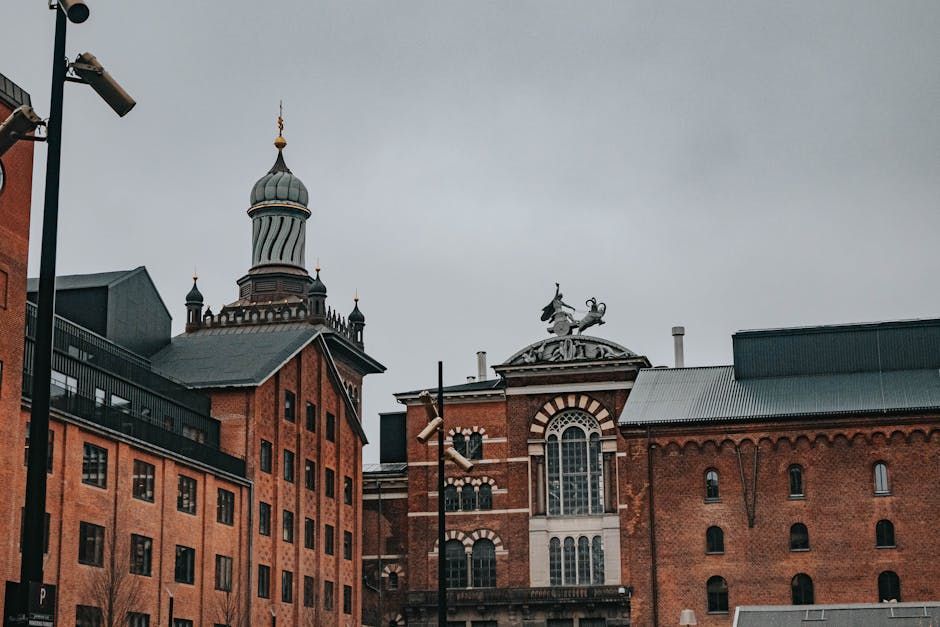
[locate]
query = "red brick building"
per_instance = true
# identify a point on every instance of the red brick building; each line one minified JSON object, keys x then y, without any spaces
{"x":622,"y":494}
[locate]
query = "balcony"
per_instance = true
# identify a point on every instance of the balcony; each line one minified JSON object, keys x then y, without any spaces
{"x":554,"y":596}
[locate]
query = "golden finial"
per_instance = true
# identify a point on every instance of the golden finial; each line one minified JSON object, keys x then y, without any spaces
{"x":279,"y":141}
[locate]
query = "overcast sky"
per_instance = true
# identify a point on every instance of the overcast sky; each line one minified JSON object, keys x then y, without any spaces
{"x":722,"y":165}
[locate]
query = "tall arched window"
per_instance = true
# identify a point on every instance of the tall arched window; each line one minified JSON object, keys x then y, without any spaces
{"x":485,"y":497}
{"x":451,"y":501}
{"x":468,"y":498}
{"x":584,"y":561}
{"x":889,"y":586}
{"x":884,"y":534}
{"x":570,"y":563}
{"x":456,"y":564}
{"x":795,"y":474}
{"x":554,"y":561}
{"x":717,"y":589}
{"x":711,"y":485}
{"x":799,"y":537}
{"x":597,"y":558}
{"x":801,"y":587}
{"x":575,"y":482}
{"x":475,"y":446}
{"x":460,"y":443}
{"x":714,"y":540}
{"x":483,"y":557}
{"x":881,"y":479}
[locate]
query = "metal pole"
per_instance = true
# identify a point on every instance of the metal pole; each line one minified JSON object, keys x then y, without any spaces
{"x":441,"y":557}
{"x":35,"y":507}
{"x":378,"y":570}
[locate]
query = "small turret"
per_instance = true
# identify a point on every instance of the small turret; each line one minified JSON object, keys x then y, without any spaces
{"x":317,"y":297}
{"x":194,"y":302}
{"x":357,"y":322}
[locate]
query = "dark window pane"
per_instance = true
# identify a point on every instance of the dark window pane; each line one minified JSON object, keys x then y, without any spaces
{"x":289,"y":402}
{"x":141,"y":554}
{"x":884,"y":534}
{"x":802,"y":590}
{"x":796,"y":481}
{"x":799,"y":537}
{"x":90,"y":544}
{"x":714,"y":540}
{"x":185,"y":571}
{"x":311,"y":417}
{"x":143,"y":481}
{"x":711,"y":485}
{"x":264,"y":581}
{"x":186,"y":495}
{"x":889,"y":587}
{"x":225,"y":508}
{"x":483,"y":559}
{"x":330,"y":427}
{"x":717,"y":589}
{"x":266,"y":456}
{"x":95,"y":466}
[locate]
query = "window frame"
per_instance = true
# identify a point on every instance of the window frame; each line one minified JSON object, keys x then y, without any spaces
{"x":881,"y":479}
{"x":290,"y":406}
{"x":225,"y":507}
{"x":329,"y":540}
{"x":264,"y":518}
{"x":716,"y":589}
{"x":310,"y":423}
{"x":329,"y":478}
{"x":91,"y":538}
{"x":95,"y":466}
{"x":185,"y":571}
{"x":802,"y":584}
{"x":884,"y":530}
{"x":799,"y":538}
{"x":290,"y":461}
{"x":889,"y":579}
{"x":796,"y":482}
{"x":141,"y":561}
{"x":143,"y":481}
{"x":187,"y":495}
{"x":714,"y":540}
{"x":266,"y":456}
{"x":712,"y":486}
{"x":224,"y":567}
{"x":287,"y":526}
{"x":264,"y":581}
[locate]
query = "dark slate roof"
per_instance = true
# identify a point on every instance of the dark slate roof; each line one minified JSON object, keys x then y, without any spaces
{"x":385,"y":468}
{"x":662,"y":395}
{"x":849,"y":615}
{"x":84,"y":281}
{"x":232,"y":356}
{"x":474,"y":386}
{"x":12,"y":94}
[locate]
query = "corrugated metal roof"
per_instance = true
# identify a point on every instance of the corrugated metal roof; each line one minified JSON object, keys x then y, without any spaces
{"x":925,"y":614}
{"x":385,"y":468}
{"x":866,"y":347}
{"x":663,"y":395}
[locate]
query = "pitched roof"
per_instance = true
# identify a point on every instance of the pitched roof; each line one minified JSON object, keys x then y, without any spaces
{"x":84,"y":281}
{"x":848,"y":615}
{"x":463,"y":388}
{"x":711,"y":394}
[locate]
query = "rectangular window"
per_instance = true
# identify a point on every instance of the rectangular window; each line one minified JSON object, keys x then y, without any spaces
{"x":287,"y":586}
{"x":182,"y":622}
{"x":136,"y":619}
{"x":308,"y":591}
{"x":95,"y":466}
{"x":119,"y":402}
{"x":328,"y":539}
{"x":143,"y":481}
{"x":141,"y":554}
{"x":264,"y":581}
{"x":88,"y":616}
{"x":330,"y":427}
{"x":186,"y":495}
{"x":347,"y":599}
{"x":287,"y":524}
{"x":311,"y":417}
{"x":289,"y":402}
{"x":264,"y":518}
{"x":223,"y":573}
{"x":101,"y":397}
{"x":347,"y":490}
{"x":90,"y":544}
{"x":225,"y":507}
{"x":330,"y":481}
{"x":309,"y":533}
{"x":63,"y":385}
{"x":310,"y":474}
{"x":288,"y":465}
{"x":328,"y":596}
{"x":185,"y":564}
{"x":267,"y":453}
{"x":194,"y":434}
{"x":347,"y":545}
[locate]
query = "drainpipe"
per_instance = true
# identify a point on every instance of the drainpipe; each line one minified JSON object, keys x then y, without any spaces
{"x":654,"y":586}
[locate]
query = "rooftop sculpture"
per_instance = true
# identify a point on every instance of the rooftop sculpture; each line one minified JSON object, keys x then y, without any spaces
{"x":563,"y":323}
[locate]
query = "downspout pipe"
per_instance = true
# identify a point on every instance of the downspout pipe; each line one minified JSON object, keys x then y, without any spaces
{"x":654,"y":585}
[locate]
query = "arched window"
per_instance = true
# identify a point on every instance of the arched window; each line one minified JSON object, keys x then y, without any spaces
{"x":889,"y":586}
{"x":597,"y":557}
{"x":711,"y":485}
{"x":456,"y":564}
{"x":484,"y":564}
{"x":485,"y":497}
{"x":554,"y":561}
{"x":570,"y":563}
{"x":468,"y":498}
{"x":584,"y":561}
{"x":573,"y":454}
{"x":799,"y":537}
{"x":801,"y":587}
{"x":796,"y":480}
{"x":884,"y":534}
{"x":460,"y":444}
{"x":393,"y":580}
{"x":881,"y":479}
{"x":717,"y":589}
{"x":475,"y":446}
{"x":714,"y":540}
{"x":451,"y":502}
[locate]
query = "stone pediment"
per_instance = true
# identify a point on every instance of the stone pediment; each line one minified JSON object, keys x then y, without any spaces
{"x":569,"y":348}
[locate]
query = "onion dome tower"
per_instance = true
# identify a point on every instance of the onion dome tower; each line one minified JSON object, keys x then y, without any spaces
{"x":194,"y":302}
{"x":357,"y":322}
{"x":279,"y":215}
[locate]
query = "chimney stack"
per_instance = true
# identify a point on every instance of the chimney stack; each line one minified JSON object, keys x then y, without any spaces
{"x":481,"y":366}
{"x":677,"y":334}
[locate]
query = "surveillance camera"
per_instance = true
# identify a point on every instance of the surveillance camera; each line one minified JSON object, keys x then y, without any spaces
{"x":22,"y":121}
{"x":76,"y":10}
{"x":429,"y":430}
{"x":92,"y":72}
{"x":429,"y":406}
{"x":464,"y":463}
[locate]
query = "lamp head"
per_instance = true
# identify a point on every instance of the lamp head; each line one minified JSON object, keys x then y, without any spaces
{"x":22,"y":121}
{"x":76,"y":10}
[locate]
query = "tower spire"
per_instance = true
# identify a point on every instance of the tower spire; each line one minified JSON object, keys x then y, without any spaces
{"x":279,"y":141}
